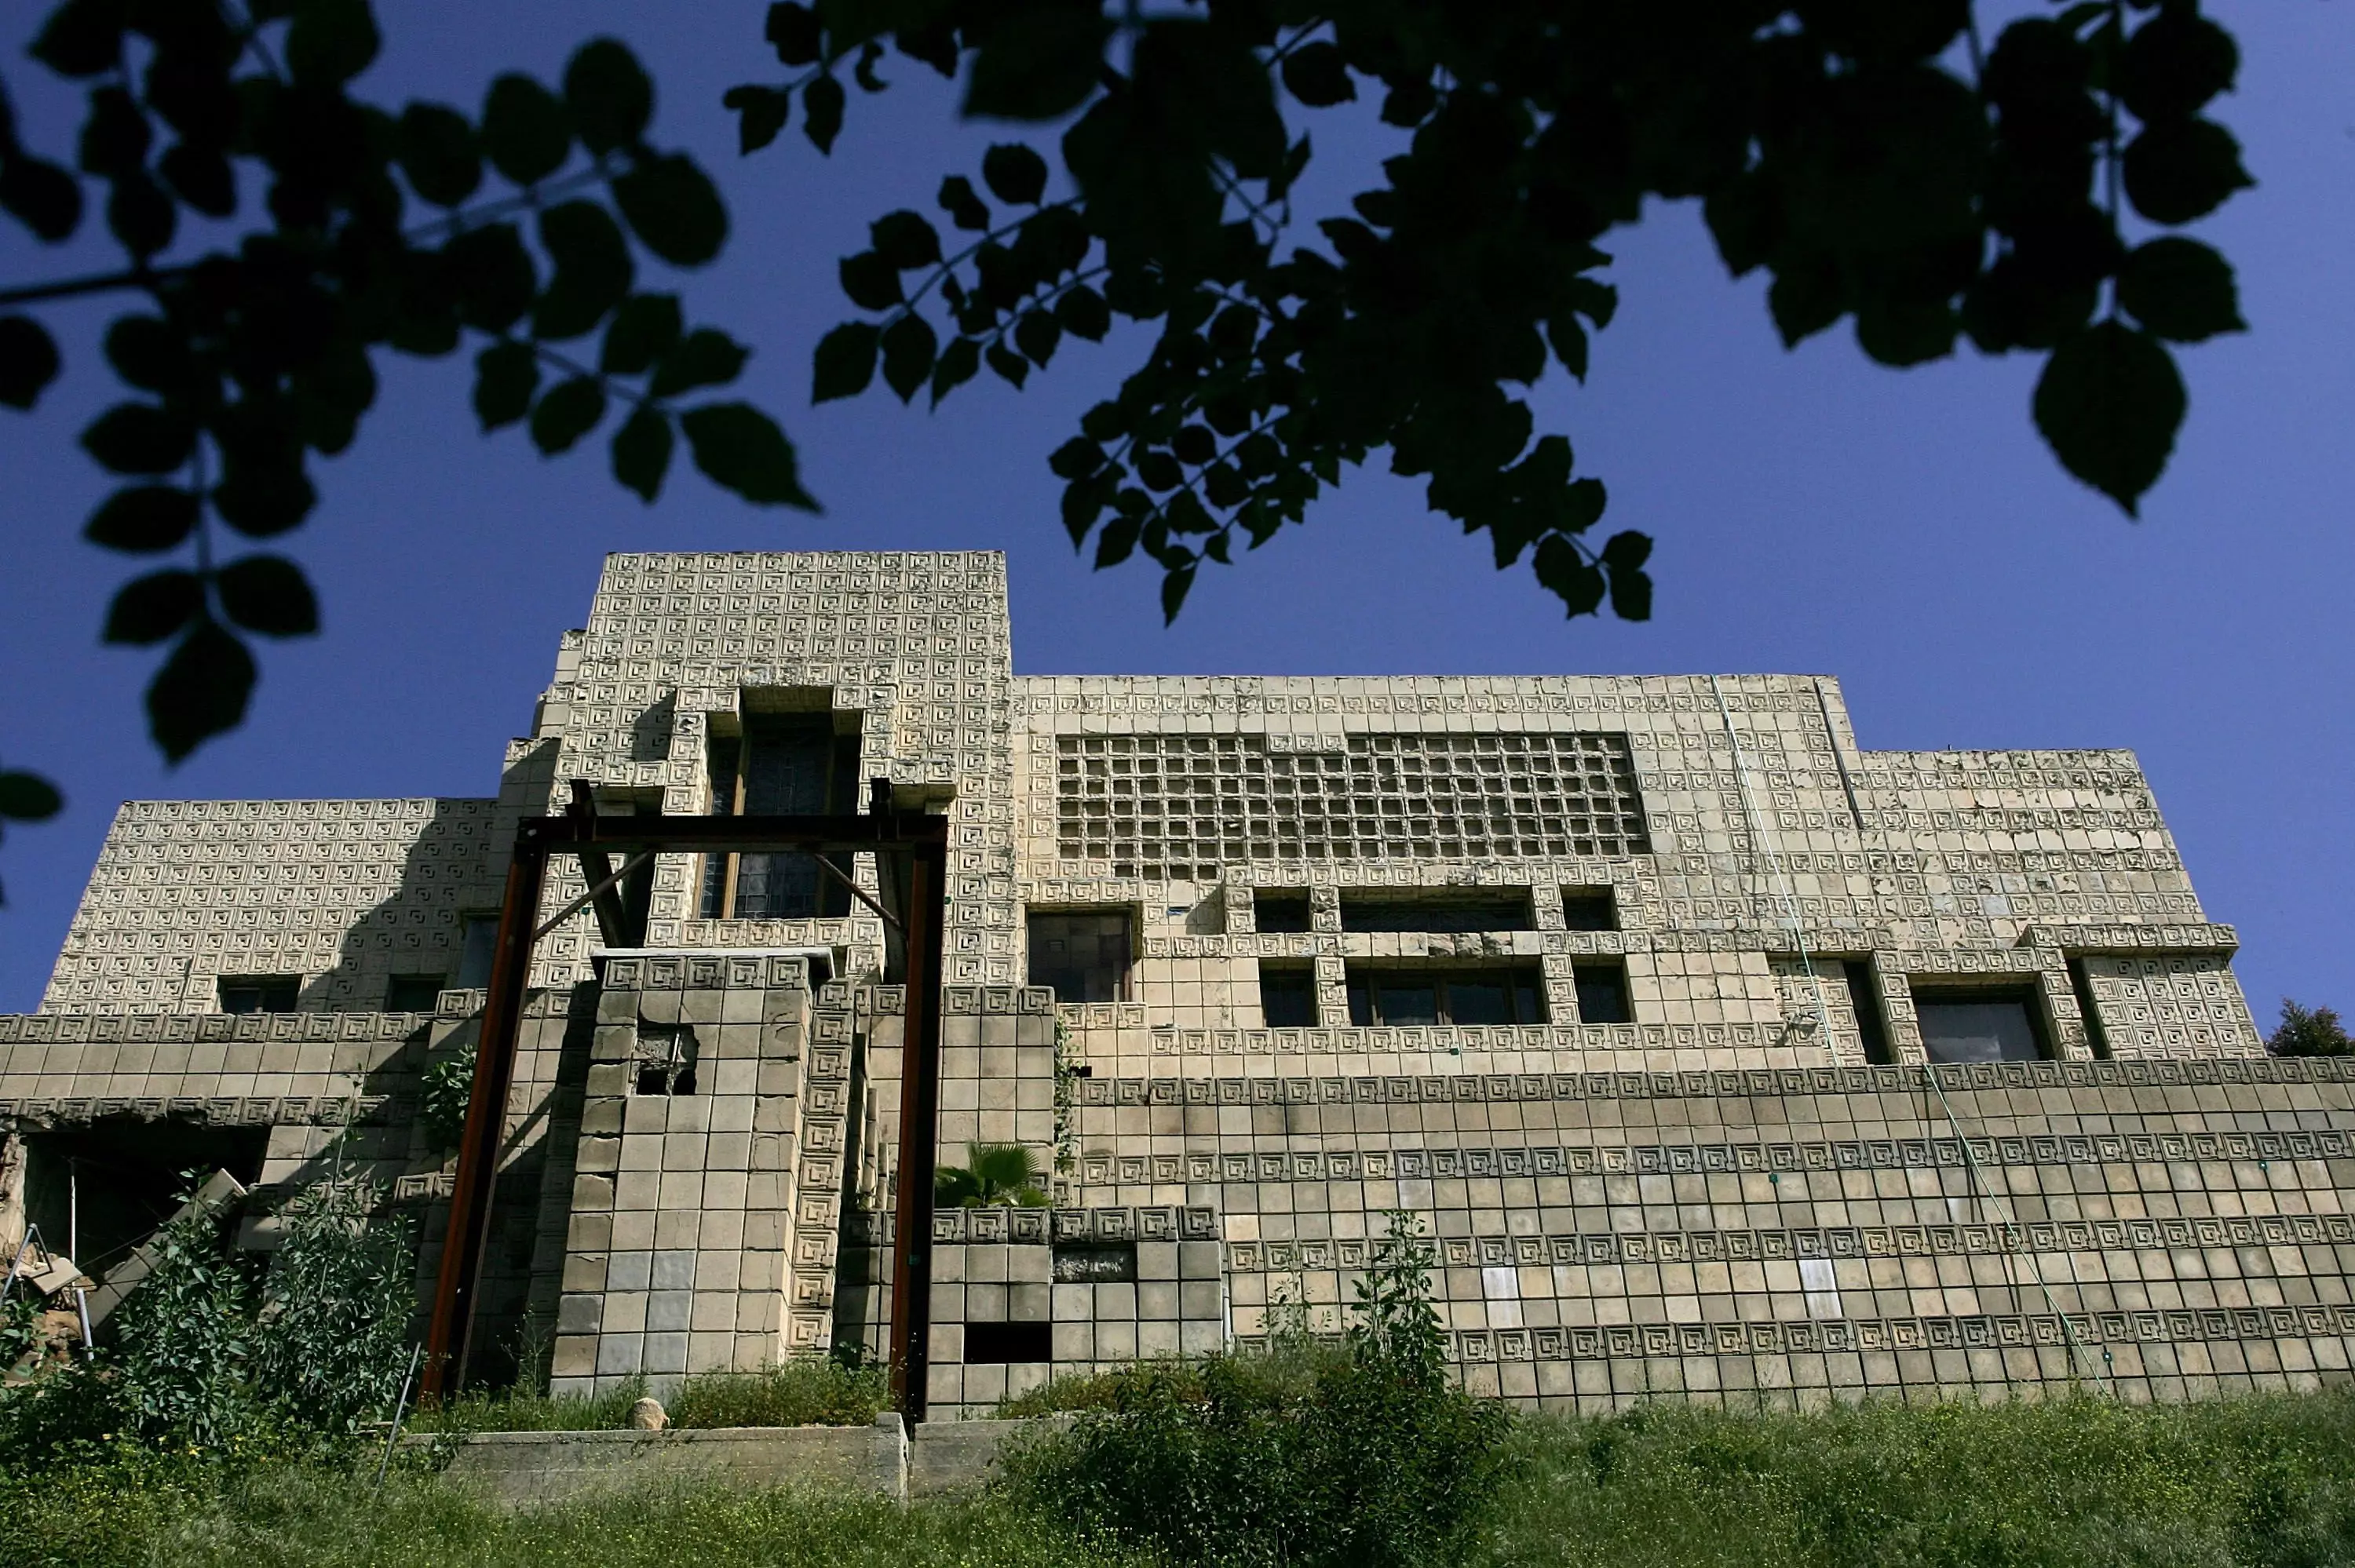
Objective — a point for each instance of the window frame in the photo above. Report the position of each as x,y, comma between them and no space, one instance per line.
286,987
1307,973
1580,969
1125,914
2028,997
1519,982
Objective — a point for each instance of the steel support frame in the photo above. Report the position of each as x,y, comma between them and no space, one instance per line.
911,860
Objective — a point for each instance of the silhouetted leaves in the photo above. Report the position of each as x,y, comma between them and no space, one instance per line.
150,609
143,519
39,194
822,105
2180,290
740,448
201,691
704,357
28,361
1037,60
506,375
672,209
908,348
438,151
642,330
2109,403
609,94
566,412
140,438
270,595
28,797
1013,173
594,270
642,450
761,113
846,361
2179,170
526,132
330,42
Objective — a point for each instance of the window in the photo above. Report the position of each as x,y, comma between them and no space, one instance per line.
1383,996
665,1061
1980,1026
1406,912
1864,996
992,1342
1282,911
478,946
1287,996
1601,992
1082,956
260,993
414,993
1589,909
784,765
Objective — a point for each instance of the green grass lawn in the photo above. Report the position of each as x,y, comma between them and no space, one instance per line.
2268,1483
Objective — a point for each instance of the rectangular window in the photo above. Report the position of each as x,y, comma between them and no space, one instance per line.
1408,997
1498,911
1980,1026
2089,1008
1589,909
986,1343
1601,991
414,993
260,993
1281,913
1864,996
478,944
1287,996
784,765
665,1061
1082,956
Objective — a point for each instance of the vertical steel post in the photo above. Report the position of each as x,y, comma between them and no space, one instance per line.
925,917
479,1145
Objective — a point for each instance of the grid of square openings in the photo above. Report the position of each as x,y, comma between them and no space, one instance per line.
1176,807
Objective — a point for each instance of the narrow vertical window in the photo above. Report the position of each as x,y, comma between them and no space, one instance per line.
1287,996
1601,992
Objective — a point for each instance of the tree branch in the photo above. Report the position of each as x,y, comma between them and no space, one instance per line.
98,283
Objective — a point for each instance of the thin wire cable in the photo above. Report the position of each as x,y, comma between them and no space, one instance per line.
1762,844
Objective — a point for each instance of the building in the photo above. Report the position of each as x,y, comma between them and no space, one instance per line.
1624,986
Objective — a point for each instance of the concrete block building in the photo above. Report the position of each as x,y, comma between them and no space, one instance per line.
1717,1055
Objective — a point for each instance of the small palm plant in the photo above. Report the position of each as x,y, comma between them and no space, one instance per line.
995,1175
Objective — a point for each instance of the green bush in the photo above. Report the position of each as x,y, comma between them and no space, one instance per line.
807,1390
522,1410
1362,1455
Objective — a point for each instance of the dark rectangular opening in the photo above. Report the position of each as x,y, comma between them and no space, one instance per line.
986,1342
784,765
2081,981
1864,997
1974,1025
115,1180
1091,1262
1287,996
1281,913
1589,909
1403,997
665,1061
1485,911
1601,991
1082,954
260,993
414,993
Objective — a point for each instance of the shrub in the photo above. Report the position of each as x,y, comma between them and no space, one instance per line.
993,1175
442,1095
807,1390
2304,1033
1363,1453
333,1348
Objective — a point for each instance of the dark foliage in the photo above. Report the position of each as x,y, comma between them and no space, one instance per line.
2301,1032
1366,1455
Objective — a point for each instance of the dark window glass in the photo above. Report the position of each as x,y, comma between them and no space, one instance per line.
478,945
414,993
1288,997
993,1342
260,993
1397,997
785,765
1864,995
1377,912
1978,1028
1602,993
1281,913
1083,956
1589,909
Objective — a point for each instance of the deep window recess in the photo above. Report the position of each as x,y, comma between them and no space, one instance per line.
1397,997
2081,981
260,993
1864,996
992,1342
1601,992
1374,911
665,1063
115,1181
414,993
1281,913
784,765
1287,996
477,945
1083,956
1980,1026
1589,909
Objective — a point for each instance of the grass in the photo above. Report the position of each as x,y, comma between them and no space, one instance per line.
804,1392
2073,1483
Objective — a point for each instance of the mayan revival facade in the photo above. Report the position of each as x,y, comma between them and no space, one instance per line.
1625,986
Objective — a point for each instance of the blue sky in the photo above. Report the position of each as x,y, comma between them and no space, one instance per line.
1905,532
